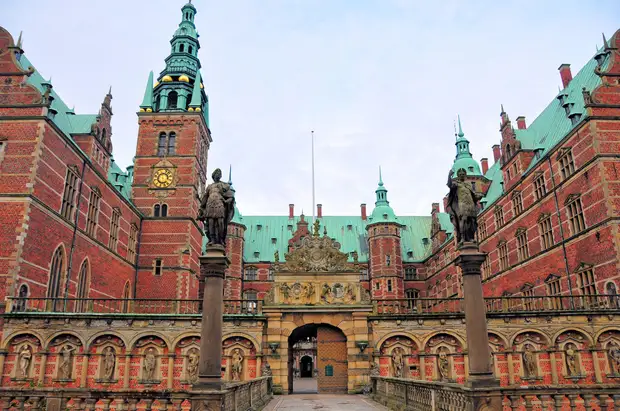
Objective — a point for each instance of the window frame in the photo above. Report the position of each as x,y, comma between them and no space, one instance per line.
502,250
68,203
115,224
540,187
545,227
94,206
574,211
523,250
566,162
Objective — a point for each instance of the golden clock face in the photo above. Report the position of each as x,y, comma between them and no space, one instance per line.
162,178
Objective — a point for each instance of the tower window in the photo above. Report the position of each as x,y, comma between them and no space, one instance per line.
171,143
388,260
164,210
190,50
161,145
389,285
172,100
158,266
182,48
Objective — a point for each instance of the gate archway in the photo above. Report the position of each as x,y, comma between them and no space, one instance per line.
331,357
306,367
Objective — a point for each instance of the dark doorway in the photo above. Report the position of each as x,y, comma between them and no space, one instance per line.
306,366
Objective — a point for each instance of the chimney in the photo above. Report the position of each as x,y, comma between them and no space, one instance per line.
363,207
521,123
565,74
434,208
291,211
485,165
496,153
319,211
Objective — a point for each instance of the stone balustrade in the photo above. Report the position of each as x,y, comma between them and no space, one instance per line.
413,395
243,396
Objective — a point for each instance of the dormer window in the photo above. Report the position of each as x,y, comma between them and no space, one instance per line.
273,240
259,227
349,227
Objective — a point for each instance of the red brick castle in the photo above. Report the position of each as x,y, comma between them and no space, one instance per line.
84,242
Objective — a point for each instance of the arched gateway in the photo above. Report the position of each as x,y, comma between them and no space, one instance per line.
317,313
329,346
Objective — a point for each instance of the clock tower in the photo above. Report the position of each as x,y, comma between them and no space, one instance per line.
170,169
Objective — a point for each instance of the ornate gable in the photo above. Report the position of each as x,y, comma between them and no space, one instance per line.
315,254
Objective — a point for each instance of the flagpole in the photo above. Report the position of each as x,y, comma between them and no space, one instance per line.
313,201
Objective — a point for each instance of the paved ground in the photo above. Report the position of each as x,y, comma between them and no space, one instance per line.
323,402
305,386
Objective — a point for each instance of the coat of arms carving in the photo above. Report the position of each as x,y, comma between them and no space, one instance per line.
315,254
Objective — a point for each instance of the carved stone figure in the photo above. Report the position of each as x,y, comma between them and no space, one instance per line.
355,256
25,358
462,207
349,293
443,365
276,256
286,291
613,353
217,209
398,362
65,367
109,363
326,292
237,365
572,361
150,364
193,357
309,292
266,369
315,228
529,362
374,369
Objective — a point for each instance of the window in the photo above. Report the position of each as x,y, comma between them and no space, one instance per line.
575,214
411,273
249,306
93,211
158,266
540,190
554,290
364,274
57,270
21,303
411,295
132,243
125,297
517,203
508,177
567,165
499,217
482,229
160,210
612,295
114,226
172,100
523,251
503,255
389,285
486,267
68,196
250,274
546,231
587,286
182,48
377,285
388,260
171,143
164,210
190,51
82,287
161,144
527,292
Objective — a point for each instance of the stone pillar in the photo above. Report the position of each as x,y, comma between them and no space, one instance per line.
84,371
212,267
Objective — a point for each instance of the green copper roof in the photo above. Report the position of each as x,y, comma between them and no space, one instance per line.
266,234
196,92
382,212
120,179
463,157
553,123
147,101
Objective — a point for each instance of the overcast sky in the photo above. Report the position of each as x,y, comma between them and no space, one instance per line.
380,82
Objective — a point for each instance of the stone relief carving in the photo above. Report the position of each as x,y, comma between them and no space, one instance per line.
572,360
65,367
315,254
237,365
443,364
24,361
108,364
529,362
193,357
613,355
150,365
398,362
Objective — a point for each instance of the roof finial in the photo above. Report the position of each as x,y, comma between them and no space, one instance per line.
502,108
461,134
454,124
110,90
604,42
19,40
230,174
380,177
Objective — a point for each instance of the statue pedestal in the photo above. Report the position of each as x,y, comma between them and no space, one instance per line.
470,260
212,267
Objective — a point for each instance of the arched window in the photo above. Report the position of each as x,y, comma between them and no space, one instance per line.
21,301
161,144
172,100
612,292
182,48
171,142
57,269
164,210
126,296
190,50
156,210
82,286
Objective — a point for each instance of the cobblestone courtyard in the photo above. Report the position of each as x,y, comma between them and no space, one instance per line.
324,402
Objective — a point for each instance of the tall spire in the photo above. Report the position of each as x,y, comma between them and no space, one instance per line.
461,134
463,157
381,192
147,101
462,144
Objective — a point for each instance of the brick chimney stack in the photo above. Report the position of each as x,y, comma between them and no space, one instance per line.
565,74
319,211
521,123
496,153
363,207
291,211
485,165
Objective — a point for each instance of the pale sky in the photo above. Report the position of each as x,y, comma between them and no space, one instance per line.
379,81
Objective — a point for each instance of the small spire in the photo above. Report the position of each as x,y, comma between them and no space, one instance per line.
110,90
604,42
502,109
461,134
196,95
147,101
19,40
380,177
230,174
